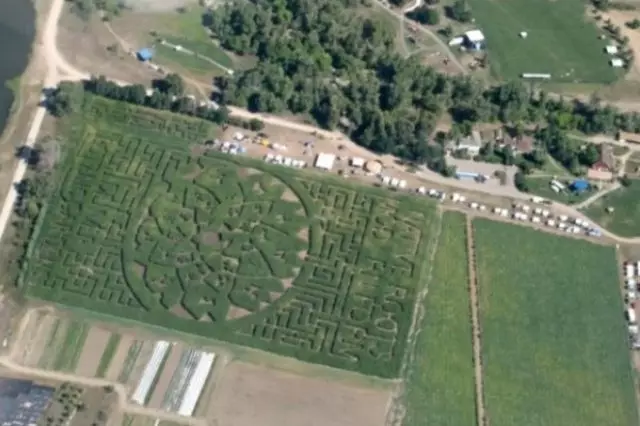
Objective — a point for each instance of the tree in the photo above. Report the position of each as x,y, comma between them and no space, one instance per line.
520,182
459,11
425,15
65,99
172,85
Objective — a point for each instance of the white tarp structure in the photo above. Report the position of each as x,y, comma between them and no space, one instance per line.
199,378
611,49
357,162
617,63
325,161
150,372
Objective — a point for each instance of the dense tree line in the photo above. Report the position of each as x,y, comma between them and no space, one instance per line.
167,94
319,58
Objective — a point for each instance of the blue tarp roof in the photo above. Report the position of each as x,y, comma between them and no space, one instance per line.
580,185
145,54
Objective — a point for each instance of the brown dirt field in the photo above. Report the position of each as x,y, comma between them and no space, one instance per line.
37,345
84,45
118,358
165,376
250,395
141,362
92,351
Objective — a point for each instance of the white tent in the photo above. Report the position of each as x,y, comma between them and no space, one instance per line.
325,161
357,162
617,63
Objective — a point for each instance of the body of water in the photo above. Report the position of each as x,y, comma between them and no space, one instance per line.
17,30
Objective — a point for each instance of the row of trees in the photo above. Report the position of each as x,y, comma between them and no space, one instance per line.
167,94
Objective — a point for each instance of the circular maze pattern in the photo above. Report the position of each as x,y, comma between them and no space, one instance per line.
219,246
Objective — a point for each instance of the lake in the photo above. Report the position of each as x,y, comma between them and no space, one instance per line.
17,30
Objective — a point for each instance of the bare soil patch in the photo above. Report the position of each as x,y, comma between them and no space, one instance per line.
211,238
89,46
180,312
251,395
303,234
119,357
236,312
286,283
92,351
165,376
36,346
289,195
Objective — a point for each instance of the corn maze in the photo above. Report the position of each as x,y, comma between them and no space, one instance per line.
145,228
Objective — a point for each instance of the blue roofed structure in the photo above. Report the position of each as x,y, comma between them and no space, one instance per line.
145,54
579,185
22,402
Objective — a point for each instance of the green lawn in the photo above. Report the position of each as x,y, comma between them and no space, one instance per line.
440,388
554,342
107,355
541,186
167,56
560,40
202,47
71,346
625,219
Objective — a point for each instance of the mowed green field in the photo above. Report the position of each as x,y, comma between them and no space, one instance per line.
148,224
555,349
623,221
561,41
440,388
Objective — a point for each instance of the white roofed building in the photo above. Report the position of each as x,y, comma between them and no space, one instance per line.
611,49
325,161
474,39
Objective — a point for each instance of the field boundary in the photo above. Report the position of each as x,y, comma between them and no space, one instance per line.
482,417
397,410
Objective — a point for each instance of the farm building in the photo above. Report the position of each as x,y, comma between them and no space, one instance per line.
471,144
616,62
579,185
611,49
325,161
357,162
373,167
144,54
629,137
150,372
603,168
474,40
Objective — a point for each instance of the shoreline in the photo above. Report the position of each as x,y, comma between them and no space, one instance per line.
22,84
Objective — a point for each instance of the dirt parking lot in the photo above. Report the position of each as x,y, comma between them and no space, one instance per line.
249,395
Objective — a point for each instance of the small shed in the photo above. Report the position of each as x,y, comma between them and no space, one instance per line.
325,161
611,49
579,185
373,166
144,54
474,39
616,62
357,162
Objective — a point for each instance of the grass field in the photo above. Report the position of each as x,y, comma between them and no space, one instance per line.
541,186
552,46
623,220
555,349
149,225
441,383
71,346
107,355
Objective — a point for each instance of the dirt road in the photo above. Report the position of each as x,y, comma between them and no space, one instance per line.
475,327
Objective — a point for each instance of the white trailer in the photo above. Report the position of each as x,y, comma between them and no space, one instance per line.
629,271
535,219
564,218
631,315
